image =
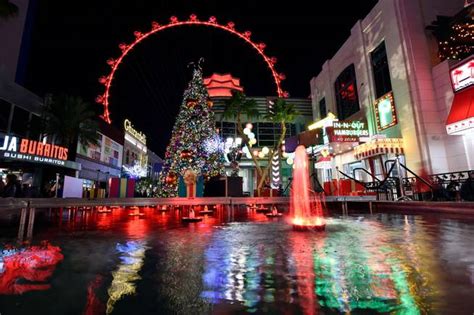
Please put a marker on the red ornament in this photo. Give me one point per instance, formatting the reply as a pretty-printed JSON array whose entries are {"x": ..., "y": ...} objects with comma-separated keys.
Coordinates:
[
  {"x": 186, "y": 154},
  {"x": 209, "y": 103},
  {"x": 190, "y": 103},
  {"x": 171, "y": 179}
]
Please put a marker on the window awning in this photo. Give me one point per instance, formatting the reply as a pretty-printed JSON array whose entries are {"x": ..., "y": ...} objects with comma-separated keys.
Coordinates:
[
  {"x": 323, "y": 162},
  {"x": 379, "y": 146},
  {"x": 461, "y": 116}
]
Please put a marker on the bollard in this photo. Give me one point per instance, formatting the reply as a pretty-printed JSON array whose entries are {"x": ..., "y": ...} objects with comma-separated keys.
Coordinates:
[
  {"x": 31, "y": 222},
  {"x": 21, "y": 229}
]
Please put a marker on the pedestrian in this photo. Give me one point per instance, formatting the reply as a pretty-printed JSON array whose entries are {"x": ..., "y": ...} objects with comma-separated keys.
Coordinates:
[
  {"x": 467, "y": 188},
  {"x": 2, "y": 186},
  {"x": 10, "y": 189}
]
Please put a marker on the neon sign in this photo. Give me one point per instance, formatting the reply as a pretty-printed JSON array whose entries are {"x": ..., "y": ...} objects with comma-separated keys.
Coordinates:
[
  {"x": 127, "y": 124},
  {"x": 16, "y": 148},
  {"x": 347, "y": 131},
  {"x": 385, "y": 112},
  {"x": 462, "y": 76}
]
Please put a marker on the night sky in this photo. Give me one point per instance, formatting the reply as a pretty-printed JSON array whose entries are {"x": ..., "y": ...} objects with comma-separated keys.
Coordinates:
[{"x": 73, "y": 39}]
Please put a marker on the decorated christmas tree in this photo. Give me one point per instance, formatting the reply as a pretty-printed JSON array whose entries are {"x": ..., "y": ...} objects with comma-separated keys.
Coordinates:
[{"x": 195, "y": 144}]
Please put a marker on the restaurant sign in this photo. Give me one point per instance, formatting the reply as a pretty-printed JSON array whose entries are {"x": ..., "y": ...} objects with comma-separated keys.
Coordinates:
[
  {"x": 23, "y": 149},
  {"x": 140, "y": 136},
  {"x": 347, "y": 131}
]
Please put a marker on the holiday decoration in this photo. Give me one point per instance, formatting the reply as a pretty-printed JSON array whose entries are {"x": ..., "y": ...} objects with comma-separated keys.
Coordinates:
[
  {"x": 195, "y": 145},
  {"x": 135, "y": 171},
  {"x": 191, "y": 103},
  {"x": 186, "y": 155},
  {"x": 190, "y": 181},
  {"x": 455, "y": 35},
  {"x": 171, "y": 179}
]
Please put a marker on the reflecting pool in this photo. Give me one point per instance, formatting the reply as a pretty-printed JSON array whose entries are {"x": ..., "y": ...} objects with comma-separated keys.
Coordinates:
[{"x": 237, "y": 261}]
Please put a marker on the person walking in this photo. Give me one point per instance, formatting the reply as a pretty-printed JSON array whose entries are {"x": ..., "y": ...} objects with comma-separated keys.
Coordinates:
[
  {"x": 10, "y": 189},
  {"x": 467, "y": 188},
  {"x": 2, "y": 186}
]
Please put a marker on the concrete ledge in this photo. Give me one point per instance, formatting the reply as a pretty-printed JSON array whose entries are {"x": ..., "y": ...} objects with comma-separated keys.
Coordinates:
[
  {"x": 17, "y": 203},
  {"x": 355, "y": 203},
  {"x": 425, "y": 207}
]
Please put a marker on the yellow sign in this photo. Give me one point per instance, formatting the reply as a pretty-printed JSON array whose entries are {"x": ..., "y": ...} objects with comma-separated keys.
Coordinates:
[
  {"x": 325, "y": 122},
  {"x": 140, "y": 136}
]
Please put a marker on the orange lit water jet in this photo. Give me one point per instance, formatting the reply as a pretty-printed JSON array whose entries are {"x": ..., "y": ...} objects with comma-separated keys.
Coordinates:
[{"x": 306, "y": 209}]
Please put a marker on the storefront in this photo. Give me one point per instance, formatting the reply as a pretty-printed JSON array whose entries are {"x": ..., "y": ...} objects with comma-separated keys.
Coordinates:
[
  {"x": 101, "y": 161},
  {"x": 35, "y": 164},
  {"x": 460, "y": 121},
  {"x": 135, "y": 152},
  {"x": 349, "y": 149}
]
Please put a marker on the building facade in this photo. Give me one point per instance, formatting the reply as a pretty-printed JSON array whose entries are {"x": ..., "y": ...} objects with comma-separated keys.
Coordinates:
[
  {"x": 135, "y": 152},
  {"x": 388, "y": 78},
  {"x": 102, "y": 161},
  {"x": 266, "y": 134}
]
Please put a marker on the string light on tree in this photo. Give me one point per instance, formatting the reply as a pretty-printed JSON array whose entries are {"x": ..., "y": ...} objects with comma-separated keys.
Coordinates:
[{"x": 194, "y": 143}]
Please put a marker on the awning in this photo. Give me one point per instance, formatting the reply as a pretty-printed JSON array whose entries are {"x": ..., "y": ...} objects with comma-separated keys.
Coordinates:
[
  {"x": 461, "y": 116},
  {"x": 379, "y": 146},
  {"x": 323, "y": 162}
]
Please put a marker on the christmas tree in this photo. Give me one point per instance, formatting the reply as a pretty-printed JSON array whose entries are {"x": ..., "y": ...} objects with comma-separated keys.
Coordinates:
[{"x": 195, "y": 144}]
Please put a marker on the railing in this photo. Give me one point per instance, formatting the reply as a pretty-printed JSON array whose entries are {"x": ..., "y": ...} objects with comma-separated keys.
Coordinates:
[
  {"x": 386, "y": 189},
  {"x": 445, "y": 186},
  {"x": 365, "y": 171},
  {"x": 434, "y": 187}
]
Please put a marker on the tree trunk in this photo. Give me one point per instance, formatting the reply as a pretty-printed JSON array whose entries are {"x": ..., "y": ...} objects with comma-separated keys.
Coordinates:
[{"x": 246, "y": 142}]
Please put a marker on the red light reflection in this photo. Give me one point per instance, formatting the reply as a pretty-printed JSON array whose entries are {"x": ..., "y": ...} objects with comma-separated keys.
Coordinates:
[{"x": 34, "y": 264}]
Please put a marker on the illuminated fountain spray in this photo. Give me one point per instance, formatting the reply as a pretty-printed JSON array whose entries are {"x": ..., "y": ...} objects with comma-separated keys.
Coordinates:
[{"x": 306, "y": 209}]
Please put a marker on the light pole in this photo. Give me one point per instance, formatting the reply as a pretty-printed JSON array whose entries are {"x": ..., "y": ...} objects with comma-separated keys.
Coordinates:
[{"x": 57, "y": 186}]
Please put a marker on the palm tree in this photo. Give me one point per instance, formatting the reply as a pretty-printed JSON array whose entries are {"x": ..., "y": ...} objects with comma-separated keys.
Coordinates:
[
  {"x": 7, "y": 10},
  {"x": 239, "y": 107},
  {"x": 281, "y": 113},
  {"x": 69, "y": 120}
]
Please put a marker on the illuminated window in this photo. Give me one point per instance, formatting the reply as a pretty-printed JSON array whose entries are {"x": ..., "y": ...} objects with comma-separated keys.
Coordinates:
[
  {"x": 385, "y": 112},
  {"x": 383, "y": 85},
  {"x": 322, "y": 108},
  {"x": 346, "y": 93}
]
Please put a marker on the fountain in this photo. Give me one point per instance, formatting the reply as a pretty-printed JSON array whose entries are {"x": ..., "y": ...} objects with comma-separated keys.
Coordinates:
[{"x": 306, "y": 209}]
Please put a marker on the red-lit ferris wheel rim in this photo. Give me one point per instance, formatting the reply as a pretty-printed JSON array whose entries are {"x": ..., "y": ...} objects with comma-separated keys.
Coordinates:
[{"x": 174, "y": 22}]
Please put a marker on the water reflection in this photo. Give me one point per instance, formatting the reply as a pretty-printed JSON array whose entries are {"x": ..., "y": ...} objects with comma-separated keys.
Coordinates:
[
  {"x": 132, "y": 255},
  {"x": 27, "y": 268},
  {"x": 239, "y": 261}
]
